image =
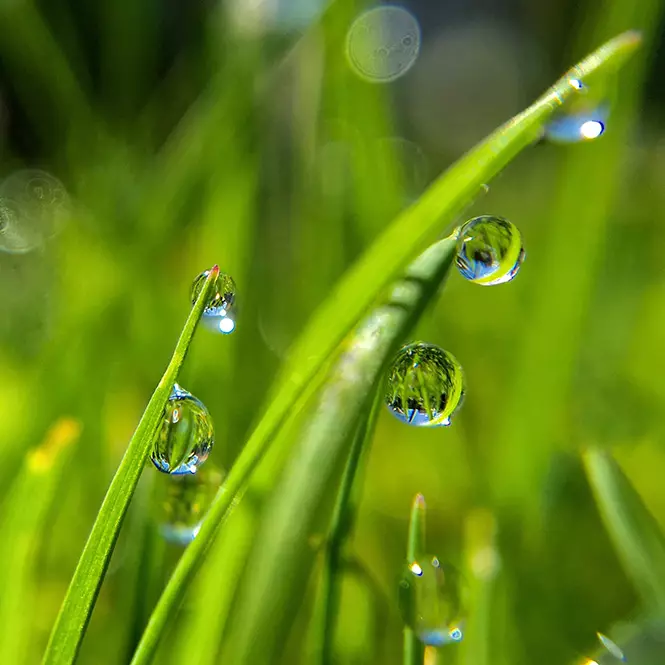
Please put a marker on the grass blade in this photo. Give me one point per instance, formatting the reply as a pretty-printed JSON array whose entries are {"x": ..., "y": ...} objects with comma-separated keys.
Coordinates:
[
  {"x": 76, "y": 609},
  {"x": 637, "y": 538},
  {"x": 340, "y": 528},
  {"x": 414, "y": 652},
  {"x": 277, "y": 559},
  {"x": 416, "y": 226},
  {"x": 24, "y": 514}
]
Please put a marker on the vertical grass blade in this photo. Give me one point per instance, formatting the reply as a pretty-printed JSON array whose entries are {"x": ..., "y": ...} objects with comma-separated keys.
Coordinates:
[
  {"x": 637, "y": 538},
  {"x": 79, "y": 601},
  {"x": 382, "y": 263},
  {"x": 23, "y": 517},
  {"x": 414, "y": 652},
  {"x": 340, "y": 528}
]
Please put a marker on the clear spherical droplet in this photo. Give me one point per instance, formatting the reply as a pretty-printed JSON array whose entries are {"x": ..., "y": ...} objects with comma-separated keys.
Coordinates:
[
  {"x": 425, "y": 385},
  {"x": 185, "y": 436},
  {"x": 34, "y": 206},
  {"x": 430, "y": 599},
  {"x": 222, "y": 296},
  {"x": 383, "y": 43},
  {"x": 489, "y": 250},
  {"x": 576, "y": 127},
  {"x": 183, "y": 502}
]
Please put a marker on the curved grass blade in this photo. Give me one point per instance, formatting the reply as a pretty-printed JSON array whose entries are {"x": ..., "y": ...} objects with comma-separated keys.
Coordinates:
[
  {"x": 25, "y": 511},
  {"x": 76, "y": 609},
  {"x": 414, "y": 652},
  {"x": 278, "y": 565},
  {"x": 340, "y": 528},
  {"x": 637, "y": 538},
  {"x": 417, "y": 225}
]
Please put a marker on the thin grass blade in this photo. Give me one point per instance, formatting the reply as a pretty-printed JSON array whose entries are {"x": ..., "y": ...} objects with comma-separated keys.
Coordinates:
[
  {"x": 80, "y": 599},
  {"x": 414, "y": 652}
]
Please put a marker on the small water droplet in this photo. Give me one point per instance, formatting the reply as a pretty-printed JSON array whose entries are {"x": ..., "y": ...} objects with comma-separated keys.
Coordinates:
[
  {"x": 430, "y": 601},
  {"x": 611, "y": 647},
  {"x": 577, "y": 84},
  {"x": 425, "y": 385},
  {"x": 489, "y": 250},
  {"x": 577, "y": 127},
  {"x": 185, "y": 436},
  {"x": 184, "y": 501},
  {"x": 223, "y": 294}
]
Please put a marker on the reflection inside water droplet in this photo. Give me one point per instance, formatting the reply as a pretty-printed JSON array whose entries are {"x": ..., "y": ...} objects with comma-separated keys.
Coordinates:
[
  {"x": 185, "y": 436},
  {"x": 430, "y": 601},
  {"x": 183, "y": 502},
  {"x": 489, "y": 250},
  {"x": 425, "y": 385}
]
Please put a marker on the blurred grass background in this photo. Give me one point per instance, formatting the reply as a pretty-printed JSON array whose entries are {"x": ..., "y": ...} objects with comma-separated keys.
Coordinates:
[{"x": 237, "y": 133}]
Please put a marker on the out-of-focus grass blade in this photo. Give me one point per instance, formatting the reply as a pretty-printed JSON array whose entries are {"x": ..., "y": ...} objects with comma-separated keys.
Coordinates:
[
  {"x": 77, "y": 607},
  {"x": 278, "y": 565},
  {"x": 417, "y": 225},
  {"x": 342, "y": 520},
  {"x": 414, "y": 652},
  {"x": 637, "y": 537},
  {"x": 24, "y": 513}
]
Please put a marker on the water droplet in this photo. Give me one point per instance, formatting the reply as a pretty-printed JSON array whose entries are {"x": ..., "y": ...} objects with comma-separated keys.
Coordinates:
[
  {"x": 430, "y": 601},
  {"x": 186, "y": 434},
  {"x": 611, "y": 646},
  {"x": 489, "y": 250},
  {"x": 577, "y": 84},
  {"x": 223, "y": 294},
  {"x": 383, "y": 43},
  {"x": 576, "y": 127},
  {"x": 425, "y": 385},
  {"x": 184, "y": 501},
  {"x": 33, "y": 207}
]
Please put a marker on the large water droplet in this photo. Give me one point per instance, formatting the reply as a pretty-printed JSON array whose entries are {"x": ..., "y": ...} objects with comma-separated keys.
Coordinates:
[
  {"x": 185, "y": 436},
  {"x": 184, "y": 502},
  {"x": 33, "y": 207},
  {"x": 431, "y": 602},
  {"x": 222, "y": 296},
  {"x": 489, "y": 250},
  {"x": 425, "y": 385},
  {"x": 576, "y": 127}
]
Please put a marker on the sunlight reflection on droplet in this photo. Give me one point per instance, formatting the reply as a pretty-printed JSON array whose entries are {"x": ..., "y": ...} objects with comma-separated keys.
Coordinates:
[
  {"x": 416, "y": 569},
  {"x": 592, "y": 129},
  {"x": 227, "y": 325}
]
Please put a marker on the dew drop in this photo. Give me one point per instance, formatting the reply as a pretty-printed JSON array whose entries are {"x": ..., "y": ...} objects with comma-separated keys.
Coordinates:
[
  {"x": 223, "y": 294},
  {"x": 489, "y": 250},
  {"x": 577, "y": 127},
  {"x": 184, "y": 502},
  {"x": 383, "y": 43},
  {"x": 577, "y": 84},
  {"x": 185, "y": 436},
  {"x": 611, "y": 647},
  {"x": 425, "y": 385},
  {"x": 430, "y": 601}
]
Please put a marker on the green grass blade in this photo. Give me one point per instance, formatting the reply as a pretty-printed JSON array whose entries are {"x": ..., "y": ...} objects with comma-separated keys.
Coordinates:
[
  {"x": 23, "y": 518},
  {"x": 340, "y": 528},
  {"x": 414, "y": 652},
  {"x": 412, "y": 230},
  {"x": 637, "y": 537},
  {"x": 278, "y": 563},
  {"x": 77, "y": 607}
]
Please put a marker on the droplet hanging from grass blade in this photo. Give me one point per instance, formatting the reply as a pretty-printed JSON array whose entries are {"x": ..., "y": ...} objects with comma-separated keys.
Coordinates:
[
  {"x": 489, "y": 250},
  {"x": 425, "y": 385},
  {"x": 222, "y": 295},
  {"x": 186, "y": 435},
  {"x": 578, "y": 127},
  {"x": 430, "y": 599}
]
